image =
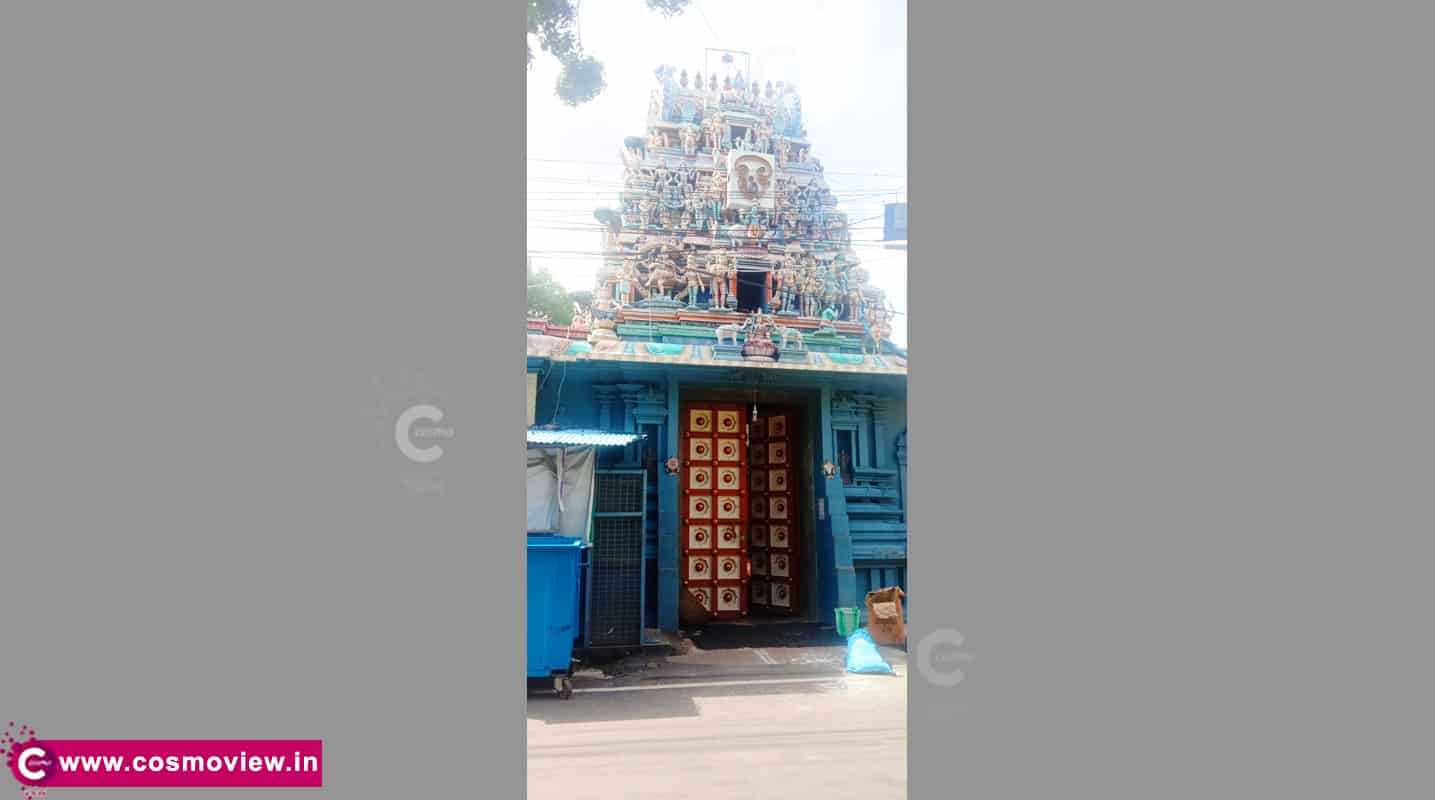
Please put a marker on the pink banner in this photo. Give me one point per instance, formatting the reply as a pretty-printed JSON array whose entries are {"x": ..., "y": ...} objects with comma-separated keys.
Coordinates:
[{"x": 161, "y": 763}]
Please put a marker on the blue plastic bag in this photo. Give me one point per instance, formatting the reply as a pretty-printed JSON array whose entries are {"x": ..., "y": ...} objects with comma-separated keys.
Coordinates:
[{"x": 864, "y": 657}]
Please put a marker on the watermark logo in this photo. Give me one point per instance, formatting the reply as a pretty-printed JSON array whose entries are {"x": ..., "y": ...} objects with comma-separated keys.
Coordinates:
[
  {"x": 159, "y": 763},
  {"x": 407, "y": 432},
  {"x": 939, "y": 658},
  {"x": 31, "y": 761},
  {"x": 35, "y": 762},
  {"x": 412, "y": 423}
]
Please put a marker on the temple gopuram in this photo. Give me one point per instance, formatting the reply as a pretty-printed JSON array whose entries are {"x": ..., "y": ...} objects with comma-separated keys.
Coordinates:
[{"x": 734, "y": 328}]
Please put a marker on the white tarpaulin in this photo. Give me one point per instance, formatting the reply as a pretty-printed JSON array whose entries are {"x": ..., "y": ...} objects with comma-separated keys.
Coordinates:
[{"x": 560, "y": 489}]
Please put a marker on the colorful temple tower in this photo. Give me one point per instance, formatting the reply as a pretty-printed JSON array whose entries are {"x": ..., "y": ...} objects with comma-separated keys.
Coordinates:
[
  {"x": 725, "y": 220},
  {"x": 734, "y": 328}
]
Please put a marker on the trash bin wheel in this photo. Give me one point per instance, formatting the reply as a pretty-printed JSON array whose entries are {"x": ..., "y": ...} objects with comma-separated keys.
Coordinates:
[{"x": 563, "y": 685}]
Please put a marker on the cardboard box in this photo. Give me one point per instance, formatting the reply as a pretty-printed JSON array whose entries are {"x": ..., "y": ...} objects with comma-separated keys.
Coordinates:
[{"x": 884, "y": 616}]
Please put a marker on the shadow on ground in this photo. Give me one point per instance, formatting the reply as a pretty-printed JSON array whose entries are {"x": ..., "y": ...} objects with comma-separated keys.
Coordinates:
[
  {"x": 661, "y": 703},
  {"x": 720, "y": 636}
]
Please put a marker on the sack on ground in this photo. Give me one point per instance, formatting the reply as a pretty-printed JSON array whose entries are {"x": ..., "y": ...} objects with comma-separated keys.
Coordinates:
[
  {"x": 690, "y": 611},
  {"x": 884, "y": 616},
  {"x": 864, "y": 657}
]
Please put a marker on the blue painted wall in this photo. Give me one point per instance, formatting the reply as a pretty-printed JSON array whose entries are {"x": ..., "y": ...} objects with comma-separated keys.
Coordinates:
[{"x": 573, "y": 395}]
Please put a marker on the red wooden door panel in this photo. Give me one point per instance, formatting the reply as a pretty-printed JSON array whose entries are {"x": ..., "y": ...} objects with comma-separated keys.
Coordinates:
[{"x": 714, "y": 505}]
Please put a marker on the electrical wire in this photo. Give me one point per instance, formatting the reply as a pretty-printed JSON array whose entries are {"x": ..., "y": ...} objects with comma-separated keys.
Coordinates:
[{"x": 609, "y": 163}]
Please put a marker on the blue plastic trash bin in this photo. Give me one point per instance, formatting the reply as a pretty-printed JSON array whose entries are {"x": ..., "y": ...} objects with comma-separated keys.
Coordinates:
[{"x": 554, "y": 581}]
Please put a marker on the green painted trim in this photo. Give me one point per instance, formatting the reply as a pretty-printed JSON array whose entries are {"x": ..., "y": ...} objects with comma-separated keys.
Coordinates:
[
  {"x": 640, "y": 333},
  {"x": 665, "y": 349}
]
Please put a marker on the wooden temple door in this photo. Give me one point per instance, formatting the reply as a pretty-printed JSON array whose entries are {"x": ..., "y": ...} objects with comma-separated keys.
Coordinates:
[
  {"x": 773, "y": 542},
  {"x": 714, "y": 507}
]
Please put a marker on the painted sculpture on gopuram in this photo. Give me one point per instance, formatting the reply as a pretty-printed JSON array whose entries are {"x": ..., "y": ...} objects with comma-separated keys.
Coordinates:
[{"x": 725, "y": 214}]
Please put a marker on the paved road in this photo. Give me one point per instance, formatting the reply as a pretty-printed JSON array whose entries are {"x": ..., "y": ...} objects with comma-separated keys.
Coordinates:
[{"x": 831, "y": 737}]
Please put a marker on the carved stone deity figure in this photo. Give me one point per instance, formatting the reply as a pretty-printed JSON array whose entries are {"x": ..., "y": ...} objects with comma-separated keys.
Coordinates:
[
  {"x": 789, "y": 224},
  {"x": 693, "y": 279},
  {"x": 672, "y": 252},
  {"x": 831, "y": 293},
  {"x": 762, "y": 327},
  {"x": 856, "y": 282},
  {"x": 673, "y": 190},
  {"x": 662, "y": 275},
  {"x": 625, "y": 283},
  {"x": 879, "y": 330},
  {"x": 690, "y": 140},
  {"x": 756, "y": 230},
  {"x": 711, "y": 125},
  {"x": 717, "y": 188},
  {"x": 786, "y": 285},
  {"x": 784, "y": 151},
  {"x": 605, "y": 280},
  {"x": 811, "y": 289},
  {"x": 764, "y": 140},
  {"x": 695, "y": 217},
  {"x": 648, "y": 210},
  {"x": 875, "y": 301},
  {"x": 720, "y": 268}
]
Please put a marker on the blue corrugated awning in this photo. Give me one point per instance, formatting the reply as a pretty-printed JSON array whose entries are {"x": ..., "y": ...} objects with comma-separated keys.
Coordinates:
[{"x": 575, "y": 437}]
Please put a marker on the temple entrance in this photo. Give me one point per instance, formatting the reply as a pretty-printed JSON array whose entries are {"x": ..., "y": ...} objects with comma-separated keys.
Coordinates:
[{"x": 744, "y": 509}]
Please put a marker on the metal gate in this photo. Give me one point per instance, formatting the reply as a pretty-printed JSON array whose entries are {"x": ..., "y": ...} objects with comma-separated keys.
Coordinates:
[{"x": 616, "y": 583}]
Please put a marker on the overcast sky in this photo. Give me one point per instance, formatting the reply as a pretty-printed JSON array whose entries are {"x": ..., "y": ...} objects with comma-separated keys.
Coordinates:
[{"x": 848, "y": 59}]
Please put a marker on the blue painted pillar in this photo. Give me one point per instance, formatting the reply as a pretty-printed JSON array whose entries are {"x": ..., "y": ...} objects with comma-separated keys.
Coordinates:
[
  {"x": 844, "y": 576},
  {"x": 668, "y": 521},
  {"x": 879, "y": 434},
  {"x": 902, "y": 471}
]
